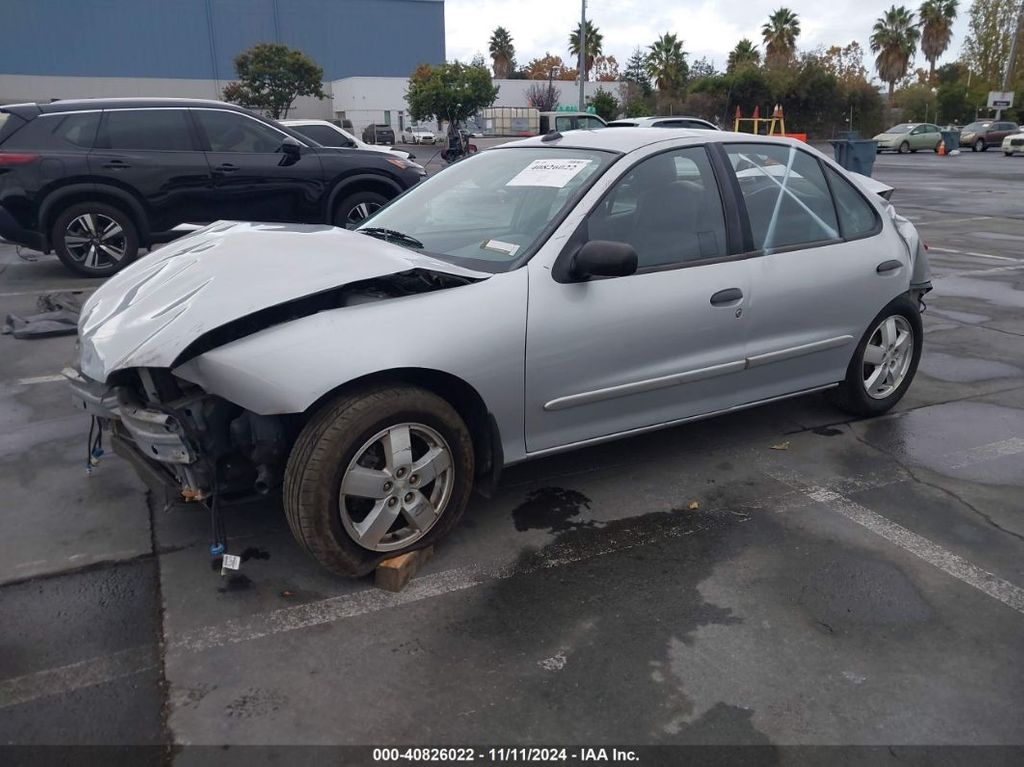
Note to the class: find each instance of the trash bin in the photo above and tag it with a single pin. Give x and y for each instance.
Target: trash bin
(858, 156)
(951, 138)
(848, 135)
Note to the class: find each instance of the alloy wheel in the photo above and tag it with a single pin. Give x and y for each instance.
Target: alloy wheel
(887, 356)
(95, 240)
(396, 487)
(361, 211)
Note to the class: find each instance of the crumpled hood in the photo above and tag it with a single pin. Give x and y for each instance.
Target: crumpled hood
(147, 314)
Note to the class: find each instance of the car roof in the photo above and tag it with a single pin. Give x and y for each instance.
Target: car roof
(309, 122)
(630, 140)
(73, 105)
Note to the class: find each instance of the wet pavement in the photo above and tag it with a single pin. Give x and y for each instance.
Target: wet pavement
(782, 575)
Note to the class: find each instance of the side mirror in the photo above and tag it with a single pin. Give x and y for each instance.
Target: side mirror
(603, 258)
(291, 149)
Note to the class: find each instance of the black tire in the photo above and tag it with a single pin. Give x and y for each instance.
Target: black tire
(850, 394)
(913, 151)
(904, 147)
(327, 445)
(356, 207)
(71, 254)
(979, 146)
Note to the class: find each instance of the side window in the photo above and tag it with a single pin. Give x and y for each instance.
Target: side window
(785, 194)
(563, 123)
(856, 217)
(321, 134)
(79, 129)
(668, 208)
(233, 132)
(152, 129)
(590, 123)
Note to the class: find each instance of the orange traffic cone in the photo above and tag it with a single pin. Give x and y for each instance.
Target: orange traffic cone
(942, 149)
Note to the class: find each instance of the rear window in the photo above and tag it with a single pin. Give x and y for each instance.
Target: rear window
(78, 129)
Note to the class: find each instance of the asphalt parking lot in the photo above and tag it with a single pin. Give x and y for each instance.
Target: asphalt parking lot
(783, 575)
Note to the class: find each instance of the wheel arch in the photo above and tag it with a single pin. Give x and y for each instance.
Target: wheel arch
(371, 182)
(482, 425)
(74, 194)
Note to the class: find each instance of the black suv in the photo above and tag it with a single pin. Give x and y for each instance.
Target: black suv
(379, 134)
(95, 180)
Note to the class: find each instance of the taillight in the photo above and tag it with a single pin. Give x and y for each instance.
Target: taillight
(16, 158)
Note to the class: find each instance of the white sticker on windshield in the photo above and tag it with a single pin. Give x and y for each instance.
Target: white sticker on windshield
(555, 173)
(508, 248)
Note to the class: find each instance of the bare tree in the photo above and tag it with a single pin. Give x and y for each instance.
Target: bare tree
(543, 96)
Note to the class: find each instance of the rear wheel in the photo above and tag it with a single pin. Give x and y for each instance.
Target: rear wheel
(95, 239)
(884, 362)
(904, 147)
(356, 207)
(377, 474)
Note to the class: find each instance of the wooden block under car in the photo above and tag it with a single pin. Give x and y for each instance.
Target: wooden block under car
(392, 574)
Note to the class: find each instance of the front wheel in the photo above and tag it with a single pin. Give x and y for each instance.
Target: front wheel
(376, 474)
(352, 210)
(979, 146)
(95, 239)
(884, 362)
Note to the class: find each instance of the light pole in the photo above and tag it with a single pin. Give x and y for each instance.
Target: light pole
(1013, 55)
(583, 55)
(551, 87)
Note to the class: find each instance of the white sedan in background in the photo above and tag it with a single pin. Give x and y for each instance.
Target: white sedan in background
(328, 134)
(417, 134)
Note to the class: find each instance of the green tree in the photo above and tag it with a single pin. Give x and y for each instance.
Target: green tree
(952, 98)
(894, 39)
(846, 63)
(636, 71)
(918, 102)
(937, 17)
(666, 63)
(605, 104)
(594, 43)
(451, 91)
(745, 54)
(271, 76)
(702, 67)
(503, 53)
(780, 33)
(987, 44)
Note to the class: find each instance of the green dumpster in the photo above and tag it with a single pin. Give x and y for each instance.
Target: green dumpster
(858, 155)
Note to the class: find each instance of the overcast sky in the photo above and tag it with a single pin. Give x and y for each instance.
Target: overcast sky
(707, 28)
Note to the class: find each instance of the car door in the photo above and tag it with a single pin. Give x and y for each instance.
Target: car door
(153, 153)
(607, 356)
(1000, 131)
(819, 277)
(930, 136)
(253, 178)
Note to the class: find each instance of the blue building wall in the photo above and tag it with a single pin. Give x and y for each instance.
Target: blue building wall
(197, 39)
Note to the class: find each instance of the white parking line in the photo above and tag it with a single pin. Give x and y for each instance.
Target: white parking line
(86, 673)
(970, 253)
(990, 452)
(952, 220)
(39, 380)
(40, 291)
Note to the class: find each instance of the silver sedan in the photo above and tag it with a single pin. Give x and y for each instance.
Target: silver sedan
(541, 296)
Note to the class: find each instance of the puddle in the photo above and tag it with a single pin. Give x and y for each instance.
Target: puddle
(948, 367)
(551, 508)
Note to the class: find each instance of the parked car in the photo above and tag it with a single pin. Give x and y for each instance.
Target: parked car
(96, 180)
(679, 121)
(531, 299)
(379, 134)
(982, 134)
(909, 137)
(1014, 143)
(417, 134)
(327, 133)
(563, 121)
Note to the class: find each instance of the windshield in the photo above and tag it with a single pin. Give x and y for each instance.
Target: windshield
(490, 211)
(902, 128)
(977, 126)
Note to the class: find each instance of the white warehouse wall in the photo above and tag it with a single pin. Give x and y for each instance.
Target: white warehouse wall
(365, 100)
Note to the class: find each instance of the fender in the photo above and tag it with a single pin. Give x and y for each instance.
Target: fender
(349, 181)
(54, 199)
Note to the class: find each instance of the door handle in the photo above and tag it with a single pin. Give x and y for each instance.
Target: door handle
(226, 168)
(116, 165)
(727, 296)
(888, 266)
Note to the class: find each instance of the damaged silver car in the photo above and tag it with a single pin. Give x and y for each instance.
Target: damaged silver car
(541, 296)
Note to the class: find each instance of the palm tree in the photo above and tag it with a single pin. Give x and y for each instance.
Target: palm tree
(593, 42)
(780, 33)
(745, 54)
(666, 62)
(894, 38)
(503, 53)
(937, 17)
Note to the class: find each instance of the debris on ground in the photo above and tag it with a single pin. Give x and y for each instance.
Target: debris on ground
(57, 316)
(694, 505)
(781, 446)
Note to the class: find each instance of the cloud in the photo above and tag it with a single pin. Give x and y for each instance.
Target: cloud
(707, 28)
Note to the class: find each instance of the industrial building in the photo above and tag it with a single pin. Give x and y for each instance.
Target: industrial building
(58, 49)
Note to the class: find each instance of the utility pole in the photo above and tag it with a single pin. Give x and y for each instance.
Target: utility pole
(583, 55)
(1013, 54)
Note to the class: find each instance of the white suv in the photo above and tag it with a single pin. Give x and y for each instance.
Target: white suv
(328, 134)
(664, 122)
